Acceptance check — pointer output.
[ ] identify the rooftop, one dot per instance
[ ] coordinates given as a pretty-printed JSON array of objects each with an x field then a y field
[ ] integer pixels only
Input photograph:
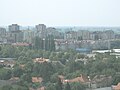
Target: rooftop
[
  {"x": 37, "y": 79},
  {"x": 117, "y": 87}
]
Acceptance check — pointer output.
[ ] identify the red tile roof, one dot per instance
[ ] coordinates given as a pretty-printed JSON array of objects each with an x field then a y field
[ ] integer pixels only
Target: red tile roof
[
  {"x": 40, "y": 60},
  {"x": 41, "y": 88},
  {"x": 117, "y": 87},
  {"x": 81, "y": 79},
  {"x": 37, "y": 79},
  {"x": 20, "y": 44}
]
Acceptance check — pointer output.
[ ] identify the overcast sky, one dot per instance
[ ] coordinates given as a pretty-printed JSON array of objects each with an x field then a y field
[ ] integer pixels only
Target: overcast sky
[{"x": 60, "y": 12}]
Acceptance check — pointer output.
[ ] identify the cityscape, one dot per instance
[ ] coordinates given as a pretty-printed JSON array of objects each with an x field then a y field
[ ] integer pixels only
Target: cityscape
[
  {"x": 71, "y": 38},
  {"x": 74, "y": 55},
  {"x": 60, "y": 45}
]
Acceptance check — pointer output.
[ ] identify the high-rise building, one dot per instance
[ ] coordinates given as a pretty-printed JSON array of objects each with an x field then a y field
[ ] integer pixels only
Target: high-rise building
[
  {"x": 54, "y": 32},
  {"x": 15, "y": 36},
  {"x": 83, "y": 35},
  {"x": 71, "y": 35},
  {"x": 28, "y": 35},
  {"x": 41, "y": 30},
  {"x": 14, "y": 27},
  {"x": 2, "y": 32},
  {"x": 109, "y": 34},
  {"x": 3, "y": 35}
]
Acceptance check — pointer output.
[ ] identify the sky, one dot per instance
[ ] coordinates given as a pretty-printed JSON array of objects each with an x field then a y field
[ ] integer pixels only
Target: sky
[{"x": 60, "y": 12}]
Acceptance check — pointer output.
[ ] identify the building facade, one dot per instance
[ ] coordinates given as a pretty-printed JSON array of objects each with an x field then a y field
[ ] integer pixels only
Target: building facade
[
  {"x": 2, "y": 32},
  {"x": 28, "y": 35},
  {"x": 41, "y": 30},
  {"x": 14, "y": 27}
]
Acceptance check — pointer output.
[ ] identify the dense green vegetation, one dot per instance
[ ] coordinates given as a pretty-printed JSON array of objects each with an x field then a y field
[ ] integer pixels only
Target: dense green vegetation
[
  {"x": 14, "y": 87},
  {"x": 102, "y": 64}
]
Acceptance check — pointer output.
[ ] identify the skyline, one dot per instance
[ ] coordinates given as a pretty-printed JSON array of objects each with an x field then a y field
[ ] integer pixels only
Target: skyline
[{"x": 60, "y": 12}]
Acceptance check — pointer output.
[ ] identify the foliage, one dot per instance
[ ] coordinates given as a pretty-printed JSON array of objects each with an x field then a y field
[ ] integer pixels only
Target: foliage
[
  {"x": 5, "y": 74},
  {"x": 78, "y": 86},
  {"x": 59, "y": 85},
  {"x": 17, "y": 71},
  {"x": 61, "y": 63},
  {"x": 67, "y": 86},
  {"x": 50, "y": 86},
  {"x": 7, "y": 87},
  {"x": 44, "y": 70},
  {"x": 116, "y": 79},
  {"x": 13, "y": 87}
]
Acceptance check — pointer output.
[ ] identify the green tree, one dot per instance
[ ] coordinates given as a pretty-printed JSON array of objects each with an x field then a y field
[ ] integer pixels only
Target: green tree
[
  {"x": 46, "y": 44},
  {"x": 51, "y": 87},
  {"x": 77, "y": 86},
  {"x": 5, "y": 74},
  {"x": 44, "y": 70},
  {"x": 59, "y": 85},
  {"x": 7, "y": 87},
  {"x": 26, "y": 77},
  {"x": 29, "y": 67},
  {"x": 116, "y": 79},
  {"x": 50, "y": 43},
  {"x": 67, "y": 86},
  {"x": 54, "y": 78},
  {"x": 24, "y": 59},
  {"x": 38, "y": 43},
  {"x": 17, "y": 71}
]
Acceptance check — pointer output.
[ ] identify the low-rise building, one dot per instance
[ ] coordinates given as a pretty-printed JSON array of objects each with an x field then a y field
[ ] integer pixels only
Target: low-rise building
[
  {"x": 82, "y": 79},
  {"x": 40, "y": 60},
  {"x": 37, "y": 79},
  {"x": 61, "y": 44},
  {"x": 117, "y": 87},
  {"x": 7, "y": 63}
]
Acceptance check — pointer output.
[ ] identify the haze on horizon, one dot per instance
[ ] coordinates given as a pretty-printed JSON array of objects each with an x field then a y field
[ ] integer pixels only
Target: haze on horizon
[{"x": 60, "y": 12}]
